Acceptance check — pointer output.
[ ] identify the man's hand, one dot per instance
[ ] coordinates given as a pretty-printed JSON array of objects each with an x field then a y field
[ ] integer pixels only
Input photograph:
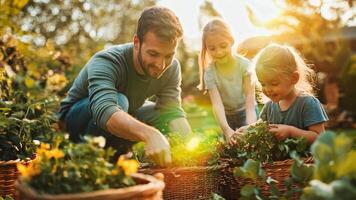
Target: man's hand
[
  {"x": 157, "y": 148},
  {"x": 280, "y": 131}
]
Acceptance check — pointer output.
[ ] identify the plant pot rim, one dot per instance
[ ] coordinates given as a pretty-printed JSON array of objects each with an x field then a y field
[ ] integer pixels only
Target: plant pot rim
[{"x": 151, "y": 187}]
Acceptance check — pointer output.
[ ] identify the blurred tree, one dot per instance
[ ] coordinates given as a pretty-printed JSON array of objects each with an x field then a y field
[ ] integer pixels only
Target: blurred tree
[
  {"x": 81, "y": 27},
  {"x": 9, "y": 10},
  {"x": 317, "y": 28},
  {"x": 189, "y": 61},
  {"x": 314, "y": 27},
  {"x": 206, "y": 12}
]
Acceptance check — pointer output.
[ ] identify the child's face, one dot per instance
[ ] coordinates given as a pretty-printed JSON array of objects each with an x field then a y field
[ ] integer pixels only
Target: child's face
[
  {"x": 218, "y": 48},
  {"x": 276, "y": 86}
]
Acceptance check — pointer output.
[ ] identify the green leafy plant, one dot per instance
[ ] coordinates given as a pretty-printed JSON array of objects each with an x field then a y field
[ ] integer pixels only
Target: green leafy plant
[
  {"x": 196, "y": 149},
  {"x": 252, "y": 170},
  {"x": 334, "y": 175},
  {"x": 65, "y": 167},
  {"x": 25, "y": 110},
  {"x": 255, "y": 148},
  {"x": 259, "y": 144}
]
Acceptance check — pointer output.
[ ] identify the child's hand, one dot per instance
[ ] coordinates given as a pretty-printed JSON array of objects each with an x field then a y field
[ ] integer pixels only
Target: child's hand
[
  {"x": 242, "y": 129},
  {"x": 233, "y": 138},
  {"x": 228, "y": 134},
  {"x": 280, "y": 131}
]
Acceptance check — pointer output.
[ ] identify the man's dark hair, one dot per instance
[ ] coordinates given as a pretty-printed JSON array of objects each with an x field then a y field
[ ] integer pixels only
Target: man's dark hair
[{"x": 161, "y": 21}]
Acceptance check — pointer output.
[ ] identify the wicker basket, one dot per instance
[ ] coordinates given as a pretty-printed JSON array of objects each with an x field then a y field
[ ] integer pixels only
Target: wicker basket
[
  {"x": 147, "y": 188},
  {"x": 8, "y": 176},
  {"x": 278, "y": 170},
  {"x": 188, "y": 182}
]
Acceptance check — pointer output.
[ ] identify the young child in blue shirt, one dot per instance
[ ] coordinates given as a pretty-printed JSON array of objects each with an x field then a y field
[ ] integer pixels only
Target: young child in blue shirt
[{"x": 292, "y": 111}]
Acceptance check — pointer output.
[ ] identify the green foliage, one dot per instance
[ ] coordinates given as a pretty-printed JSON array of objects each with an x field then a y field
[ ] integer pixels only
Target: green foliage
[
  {"x": 251, "y": 169},
  {"x": 217, "y": 197},
  {"x": 259, "y": 144},
  {"x": 25, "y": 114},
  {"x": 74, "y": 168},
  {"x": 20, "y": 125},
  {"x": 346, "y": 83},
  {"x": 197, "y": 149},
  {"x": 304, "y": 25},
  {"x": 335, "y": 172}
]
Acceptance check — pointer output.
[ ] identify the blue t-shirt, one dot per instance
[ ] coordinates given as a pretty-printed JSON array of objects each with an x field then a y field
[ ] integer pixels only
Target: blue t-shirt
[{"x": 305, "y": 111}]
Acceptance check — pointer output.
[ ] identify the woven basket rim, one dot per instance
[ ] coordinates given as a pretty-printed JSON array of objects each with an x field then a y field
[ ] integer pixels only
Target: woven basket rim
[
  {"x": 10, "y": 162},
  {"x": 151, "y": 187},
  {"x": 184, "y": 169},
  {"x": 287, "y": 161}
]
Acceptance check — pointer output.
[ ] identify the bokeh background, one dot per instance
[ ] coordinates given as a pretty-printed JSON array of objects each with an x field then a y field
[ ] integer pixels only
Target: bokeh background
[{"x": 45, "y": 43}]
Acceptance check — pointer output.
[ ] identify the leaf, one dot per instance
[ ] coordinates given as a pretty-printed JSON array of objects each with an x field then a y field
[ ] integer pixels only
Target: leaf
[
  {"x": 248, "y": 190},
  {"x": 322, "y": 189},
  {"x": 274, "y": 191},
  {"x": 324, "y": 140},
  {"x": 348, "y": 166},
  {"x": 344, "y": 189},
  {"x": 19, "y": 114},
  {"x": 251, "y": 169},
  {"x": 302, "y": 172},
  {"x": 343, "y": 145},
  {"x": 217, "y": 197}
]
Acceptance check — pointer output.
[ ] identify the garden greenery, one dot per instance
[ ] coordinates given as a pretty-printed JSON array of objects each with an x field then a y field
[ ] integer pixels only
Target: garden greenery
[
  {"x": 64, "y": 167},
  {"x": 196, "y": 149},
  {"x": 334, "y": 175},
  {"x": 259, "y": 144},
  {"x": 25, "y": 112}
]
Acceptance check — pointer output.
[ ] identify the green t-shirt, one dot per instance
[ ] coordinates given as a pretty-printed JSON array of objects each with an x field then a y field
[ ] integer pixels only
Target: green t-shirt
[
  {"x": 305, "y": 111},
  {"x": 111, "y": 71},
  {"x": 230, "y": 86}
]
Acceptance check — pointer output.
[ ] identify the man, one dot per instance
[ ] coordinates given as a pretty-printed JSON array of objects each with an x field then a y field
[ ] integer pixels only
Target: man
[{"x": 109, "y": 96}]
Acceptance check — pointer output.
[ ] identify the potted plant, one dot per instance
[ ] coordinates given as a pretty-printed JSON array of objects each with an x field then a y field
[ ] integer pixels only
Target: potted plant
[
  {"x": 194, "y": 172},
  {"x": 23, "y": 115},
  {"x": 65, "y": 170},
  {"x": 258, "y": 147}
]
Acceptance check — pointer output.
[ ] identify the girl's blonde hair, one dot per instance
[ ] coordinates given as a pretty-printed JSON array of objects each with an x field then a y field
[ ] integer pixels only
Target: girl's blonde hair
[
  {"x": 215, "y": 26},
  {"x": 285, "y": 60}
]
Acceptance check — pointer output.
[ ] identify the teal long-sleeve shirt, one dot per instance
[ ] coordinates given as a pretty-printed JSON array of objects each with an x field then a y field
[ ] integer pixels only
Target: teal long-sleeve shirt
[{"x": 111, "y": 71}]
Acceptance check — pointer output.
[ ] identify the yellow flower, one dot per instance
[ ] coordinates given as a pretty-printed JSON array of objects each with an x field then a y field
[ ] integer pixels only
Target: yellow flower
[
  {"x": 42, "y": 149},
  {"x": 56, "y": 82},
  {"x": 23, "y": 170},
  {"x": 129, "y": 166},
  {"x": 114, "y": 172},
  {"x": 55, "y": 153},
  {"x": 29, "y": 82},
  {"x": 30, "y": 170}
]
